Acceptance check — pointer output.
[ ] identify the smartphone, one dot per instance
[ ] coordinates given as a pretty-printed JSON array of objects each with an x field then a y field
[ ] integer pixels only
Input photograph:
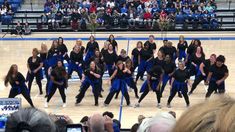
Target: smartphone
[{"x": 74, "y": 128}]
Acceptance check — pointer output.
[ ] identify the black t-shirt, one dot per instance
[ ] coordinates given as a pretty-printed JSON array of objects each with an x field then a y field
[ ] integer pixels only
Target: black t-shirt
[
  {"x": 152, "y": 46},
  {"x": 34, "y": 65},
  {"x": 82, "y": 48},
  {"x": 43, "y": 56},
  {"x": 103, "y": 51},
  {"x": 197, "y": 60},
  {"x": 218, "y": 72},
  {"x": 169, "y": 51},
  {"x": 62, "y": 48},
  {"x": 58, "y": 73},
  {"x": 130, "y": 74},
  {"x": 123, "y": 59},
  {"x": 19, "y": 77},
  {"x": 76, "y": 57},
  {"x": 135, "y": 52},
  {"x": 158, "y": 62},
  {"x": 207, "y": 65},
  {"x": 191, "y": 49},
  {"x": 51, "y": 52},
  {"x": 155, "y": 72},
  {"x": 90, "y": 76},
  {"x": 92, "y": 46},
  {"x": 110, "y": 58},
  {"x": 120, "y": 74},
  {"x": 168, "y": 67},
  {"x": 181, "y": 75},
  {"x": 182, "y": 46},
  {"x": 113, "y": 42},
  {"x": 145, "y": 54}
]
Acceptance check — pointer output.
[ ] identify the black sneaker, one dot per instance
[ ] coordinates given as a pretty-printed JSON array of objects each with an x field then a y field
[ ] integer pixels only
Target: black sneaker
[
  {"x": 179, "y": 95},
  {"x": 101, "y": 96},
  {"x": 189, "y": 93}
]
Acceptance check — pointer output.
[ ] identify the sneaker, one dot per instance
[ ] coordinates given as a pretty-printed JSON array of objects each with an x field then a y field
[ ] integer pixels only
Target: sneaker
[
  {"x": 129, "y": 105},
  {"x": 188, "y": 105},
  {"x": 41, "y": 93},
  {"x": 159, "y": 106},
  {"x": 46, "y": 105},
  {"x": 189, "y": 93},
  {"x": 179, "y": 95},
  {"x": 168, "y": 105},
  {"x": 101, "y": 96},
  {"x": 137, "y": 105},
  {"x": 97, "y": 104},
  {"x": 105, "y": 105},
  {"x": 136, "y": 96},
  {"x": 64, "y": 105}
]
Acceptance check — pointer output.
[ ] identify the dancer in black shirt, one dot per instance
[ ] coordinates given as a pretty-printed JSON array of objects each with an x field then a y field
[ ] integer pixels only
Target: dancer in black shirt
[
  {"x": 218, "y": 73},
  {"x": 17, "y": 82},
  {"x": 204, "y": 71},
  {"x": 34, "y": 65},
  {"x": 179, "y": 83}
]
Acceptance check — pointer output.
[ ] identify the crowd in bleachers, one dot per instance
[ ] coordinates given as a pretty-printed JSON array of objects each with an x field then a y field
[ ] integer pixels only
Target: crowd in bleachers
[
  {"x": 151, "y": 14},
  {"x": 7, "y": 9}
]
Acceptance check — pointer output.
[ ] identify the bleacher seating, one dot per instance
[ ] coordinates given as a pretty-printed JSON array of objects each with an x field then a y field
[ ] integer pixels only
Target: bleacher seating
[{"x": 220, "y": 19}]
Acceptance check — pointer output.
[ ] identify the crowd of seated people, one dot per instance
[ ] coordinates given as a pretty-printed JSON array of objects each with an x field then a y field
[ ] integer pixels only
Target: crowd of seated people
[
  {"x": 151, "y": 14},
  {"x": 206, "y": 116}
]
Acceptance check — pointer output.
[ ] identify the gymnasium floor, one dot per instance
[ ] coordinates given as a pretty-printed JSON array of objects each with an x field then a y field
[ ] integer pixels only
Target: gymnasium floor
[{"x": 15, "y": 50}]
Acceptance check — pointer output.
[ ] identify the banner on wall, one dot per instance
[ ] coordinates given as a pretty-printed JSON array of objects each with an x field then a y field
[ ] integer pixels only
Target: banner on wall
[{"x": 8, "y": 106}]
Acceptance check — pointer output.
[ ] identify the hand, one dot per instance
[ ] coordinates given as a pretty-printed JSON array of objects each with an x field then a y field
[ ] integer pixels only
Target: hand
[
  {"x": 60, "y": 83},
  {"x": 203, "y": 74},
  {"x": 35, "y": 71},
  {"x": 17, "y": 82},
  {"x": 218, "y": 82},
  {"x": 77, "y": 63},
  {"x": 108, "y": 124},
  {"x": 206, "y": 83},
  {"x": 30, "y": 71},
  {"x": 91, "y": 72},
  {"x": 80, "y": 65}
]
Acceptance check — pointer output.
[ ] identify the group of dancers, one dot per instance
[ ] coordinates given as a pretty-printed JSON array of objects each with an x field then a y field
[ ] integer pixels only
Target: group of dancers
[{"x": 91, "y": 63}]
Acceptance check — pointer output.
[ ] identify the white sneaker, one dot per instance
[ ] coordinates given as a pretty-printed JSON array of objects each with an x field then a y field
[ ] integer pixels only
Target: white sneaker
[
  {"x": 46, "y": 105},
  {"x": 64, "y": 105},
  {"x": 159, "y": 106},
  {"x": 137, "y": 105}
]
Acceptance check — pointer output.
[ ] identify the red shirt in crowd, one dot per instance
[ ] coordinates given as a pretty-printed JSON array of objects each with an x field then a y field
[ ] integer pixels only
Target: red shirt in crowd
[{"x": 147, "y": 15}]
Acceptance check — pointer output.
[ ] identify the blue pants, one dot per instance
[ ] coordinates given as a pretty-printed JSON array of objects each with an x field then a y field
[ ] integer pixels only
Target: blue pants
[
  {"x": 74, "y": 67},
  {"x": 110, "y": 69},
  {"x": 165, "y": 79},
  {"x": 182, "y": 54},
  {"x": 179, "y": 86}
]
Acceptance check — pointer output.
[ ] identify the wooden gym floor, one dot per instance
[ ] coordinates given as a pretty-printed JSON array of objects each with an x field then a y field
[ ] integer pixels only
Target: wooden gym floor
[{"x": 14, "y": 50}]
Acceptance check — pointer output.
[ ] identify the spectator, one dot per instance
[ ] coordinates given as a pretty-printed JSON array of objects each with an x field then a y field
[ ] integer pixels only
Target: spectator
[
  {"x": 75, "y": 20},
  {"x": 163, "y": 122},
  {"x": 131, "y": 18},
  {"x": 147, "y": 19},
  {"x": 213, "y": 115},
  {"x": 27, "y": 29},
  {"x": 98, "y": 123},
  {"x": 29, "y": 119},
  {"x": 93, "y": 8},
  {"x": 124, "y": 10},
  {"x": 209, "y": 8},
  {"x": 18, "y": 29},
  {"x": 110, "y": 3}
]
